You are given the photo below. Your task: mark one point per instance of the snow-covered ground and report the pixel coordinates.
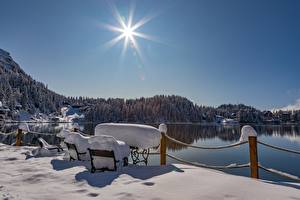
(54, 178)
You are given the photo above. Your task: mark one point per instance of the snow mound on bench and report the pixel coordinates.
(102, 142)
(109, 143)
(135, 135)
(81, 143)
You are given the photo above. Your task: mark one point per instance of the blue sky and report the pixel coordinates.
(211, 52)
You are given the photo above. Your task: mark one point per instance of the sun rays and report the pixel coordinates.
(127, 30)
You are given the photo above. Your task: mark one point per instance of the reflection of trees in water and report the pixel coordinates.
(192, 133)
(29, 138)
(284, 130)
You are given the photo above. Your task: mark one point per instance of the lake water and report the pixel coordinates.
(205, 135)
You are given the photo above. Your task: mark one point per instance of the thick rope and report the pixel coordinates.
(280, 173)
(231, 166)
(52, 134)
(11, 133)
(278, 148)
(33, 132)
(84, 134)
(201, 147)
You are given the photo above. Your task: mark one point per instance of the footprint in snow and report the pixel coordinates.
(148, 183)
(93, 194)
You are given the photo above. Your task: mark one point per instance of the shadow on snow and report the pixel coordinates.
(102, 179)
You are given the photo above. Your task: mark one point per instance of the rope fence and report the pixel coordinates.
(280, 173)
(278, 148)
(38, 133)
(202, 147)
(253, 164)
(7, 134)
(252, 141)
(230, 166)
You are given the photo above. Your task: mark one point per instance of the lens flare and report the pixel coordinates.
(127, 30)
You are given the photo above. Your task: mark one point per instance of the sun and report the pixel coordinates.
(127, 30)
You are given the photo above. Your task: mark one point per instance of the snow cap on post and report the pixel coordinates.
(24, 127)
(246, 132)
(76, 126)
(163, 128)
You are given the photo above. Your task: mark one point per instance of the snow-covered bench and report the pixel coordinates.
(140, 138)
(106, 153)
(103, 151)
(77, 145)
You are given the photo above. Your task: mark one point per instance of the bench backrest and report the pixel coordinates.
(73, 153)
(102, 160)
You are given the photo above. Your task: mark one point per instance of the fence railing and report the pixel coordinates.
(254, 164)
(253, 155)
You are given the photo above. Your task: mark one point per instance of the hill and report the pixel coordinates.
(19, 91)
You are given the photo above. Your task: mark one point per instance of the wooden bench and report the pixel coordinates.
(74, 148)
(105, 154)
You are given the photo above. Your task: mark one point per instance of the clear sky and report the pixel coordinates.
(211, 52)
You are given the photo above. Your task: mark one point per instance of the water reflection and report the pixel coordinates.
(188, 133)
(193, 133)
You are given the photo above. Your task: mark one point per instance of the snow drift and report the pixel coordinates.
(135, 135)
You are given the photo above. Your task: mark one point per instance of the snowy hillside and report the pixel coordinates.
(18, 91)
(6, 60)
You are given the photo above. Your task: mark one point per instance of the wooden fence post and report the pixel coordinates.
(163, 149)
(19, 137)
(253, 156)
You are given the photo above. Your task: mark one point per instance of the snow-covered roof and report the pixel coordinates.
(135, 135)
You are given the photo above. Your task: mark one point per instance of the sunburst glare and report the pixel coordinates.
(127, 30)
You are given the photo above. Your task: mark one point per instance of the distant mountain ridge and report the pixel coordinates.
(19, 91)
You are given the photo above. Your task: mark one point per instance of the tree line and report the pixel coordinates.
(19, 91)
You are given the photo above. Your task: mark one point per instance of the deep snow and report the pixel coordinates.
(54, 178)
(135, 135)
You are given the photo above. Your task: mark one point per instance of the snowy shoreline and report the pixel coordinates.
(55, 178)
